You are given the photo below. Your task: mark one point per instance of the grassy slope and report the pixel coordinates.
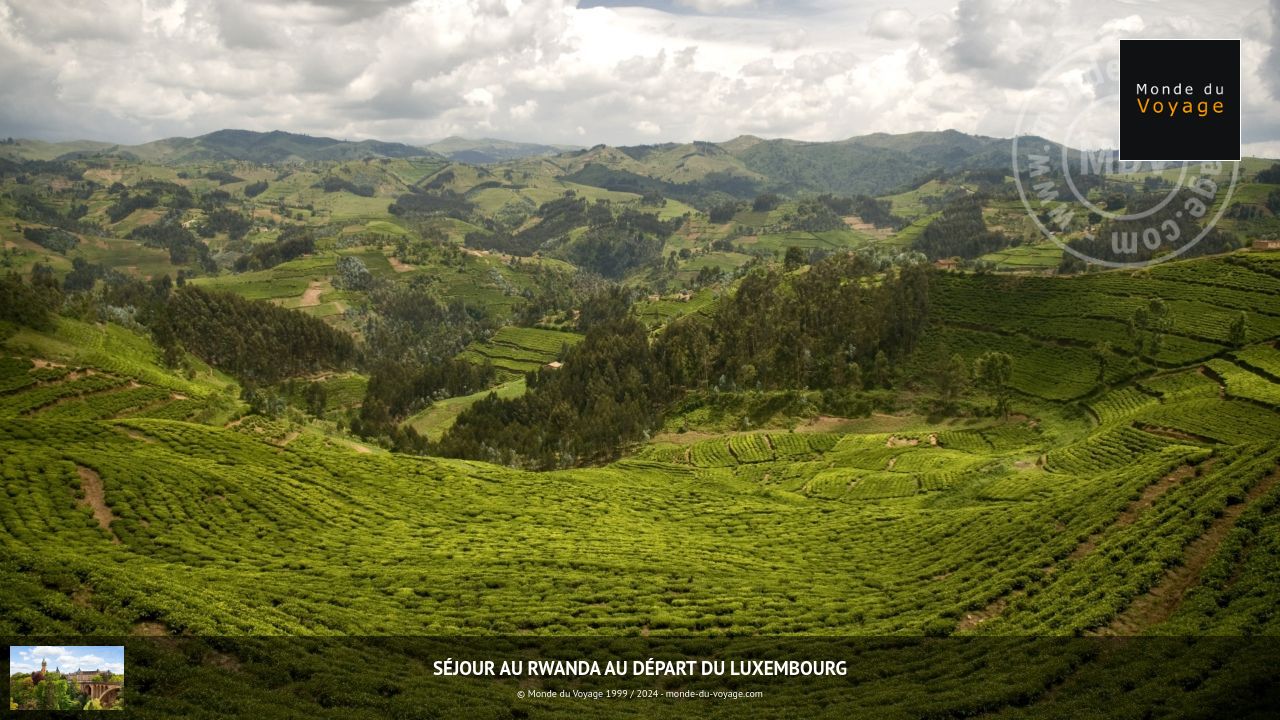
(832, 533)
(433, 421)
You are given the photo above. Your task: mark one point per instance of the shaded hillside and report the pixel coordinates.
(745, 166)
(485, 151)
(268, 147)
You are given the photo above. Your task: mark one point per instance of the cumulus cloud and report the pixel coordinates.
(66, 659)
(1006, 42)
(1127, 25)
(564, 72)
(715, 6)
(1272, 67)
(892, 23)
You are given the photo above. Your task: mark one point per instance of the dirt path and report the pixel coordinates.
(95, 498)
(993, 609)
(134, 433)
(1175, 434)
(399, 266)
(1126, 517)
(68, 399)
(150, 629)
(311, 297)
(1163, 600)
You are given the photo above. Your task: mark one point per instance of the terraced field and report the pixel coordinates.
(1144, 504)
(440, 416)
(830, 240)
(1056, 322)
(517, 350)
(656, 313)
(288, 280)
(452, 537)
(1042, 257)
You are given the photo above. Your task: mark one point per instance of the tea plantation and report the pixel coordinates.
(1135, 496)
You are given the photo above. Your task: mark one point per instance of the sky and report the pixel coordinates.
(580, 72)
(68, 658)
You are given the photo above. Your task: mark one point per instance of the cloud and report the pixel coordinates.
(68, 20)
(558, 71)
(891, 24)
(716, 6)
(1129, 25)
(646, 127)
(524, 110)
(789, 39)
(1272, 67)
(1006, 42)
(67, 659)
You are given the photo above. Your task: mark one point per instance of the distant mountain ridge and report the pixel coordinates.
(267, 147)
(246, 145)
(698, 171)
(486, 151)
(280, 146)
(747, 165)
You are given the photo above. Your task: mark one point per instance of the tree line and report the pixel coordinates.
(812, 330)
(1171, 227)
(960, 231)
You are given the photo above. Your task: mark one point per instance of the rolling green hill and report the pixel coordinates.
(258, 147)
(864, 165)
(980, 526)
(490, 150)
(1130, 489)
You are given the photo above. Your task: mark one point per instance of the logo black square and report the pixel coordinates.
(1180, 100)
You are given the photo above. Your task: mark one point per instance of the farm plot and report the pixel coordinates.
(1015, 486)
(1008, 437)
(970, 441)
(1219, 272)
(287, 280)
(1245, 384)
(1026, 257)
(927, 459)
(107, 404)
(797, 444)
(520, 349)
(1231, 422)
(879, 486)
(712, 453)
(659, 312)
(35, 398)
(1096, 308)
(1119, 404)
(1047, 371)
(752, 448)
(1262, 359)
(1181, 385)
(1110, 449)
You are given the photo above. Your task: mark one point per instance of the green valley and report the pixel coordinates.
(287, 386)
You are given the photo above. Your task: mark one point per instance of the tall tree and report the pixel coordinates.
(994, 370)
(1239, 330)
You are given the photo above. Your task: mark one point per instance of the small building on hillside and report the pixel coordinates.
(1266, 244)
(554, 365)
(946, 264)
